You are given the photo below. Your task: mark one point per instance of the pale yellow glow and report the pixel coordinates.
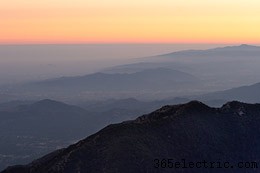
(112, 21)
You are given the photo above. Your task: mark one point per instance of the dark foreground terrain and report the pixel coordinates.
(192, 131)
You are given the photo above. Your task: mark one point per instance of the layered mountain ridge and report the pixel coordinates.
(192, 131)
(249, 93)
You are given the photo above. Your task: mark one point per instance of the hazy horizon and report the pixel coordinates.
(21, 63)
(181, 77)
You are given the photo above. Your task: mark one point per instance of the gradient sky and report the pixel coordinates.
(129, 21)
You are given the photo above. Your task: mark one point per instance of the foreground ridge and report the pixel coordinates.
(192, 131)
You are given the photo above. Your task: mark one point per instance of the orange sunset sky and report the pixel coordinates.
(129, 21)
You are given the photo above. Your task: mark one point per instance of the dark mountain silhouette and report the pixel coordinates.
(191, 131)
(44, 125)
(30, 130)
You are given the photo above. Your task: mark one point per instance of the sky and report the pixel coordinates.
(129, 21)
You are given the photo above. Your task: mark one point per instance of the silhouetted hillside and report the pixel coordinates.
(30, 130)
(191, 131)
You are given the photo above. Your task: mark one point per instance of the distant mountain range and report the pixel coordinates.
(151, 79)
(225, 54)
(29, 129)
(175, 74)
(219, 68)
(250, 94)
(228, 52)
(191, 131)
(99, 86)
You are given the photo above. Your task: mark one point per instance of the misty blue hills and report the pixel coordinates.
(150, 79)
(176, 74)
(243, 51)
(218, 69)
(205, 75)
(248, 94)
(58, 124)
(227, 52)
(103, 85)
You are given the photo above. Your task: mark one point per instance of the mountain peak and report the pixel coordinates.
(217, 50)
(44, 101)
(238, 108)
(197, 132)
(241, 47)
(245, 45)
(47, 102)
(233, 104)
(170, 111)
